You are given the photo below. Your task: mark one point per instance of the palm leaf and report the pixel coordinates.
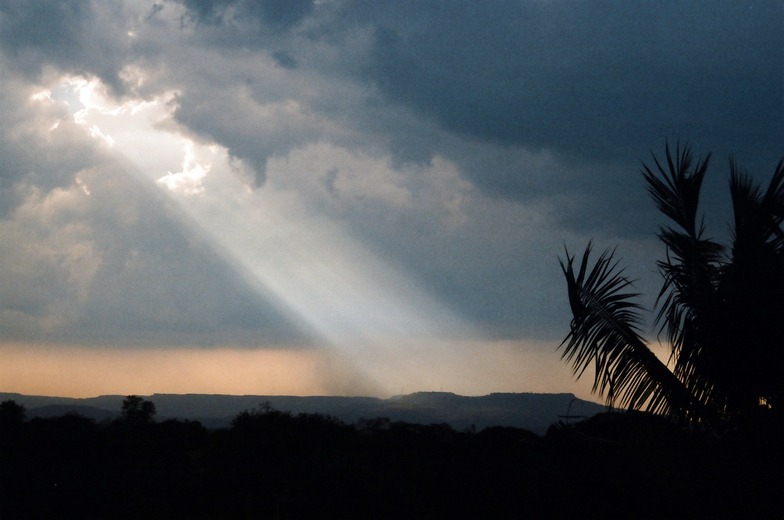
(723, 313)
(758, 216)
(690, 268)
(676, 189)
(605, 332)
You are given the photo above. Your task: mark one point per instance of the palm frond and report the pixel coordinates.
(605, 332)
(757, 216)
(676, 189)
(690, 269)
(749, 229)
(722, 311)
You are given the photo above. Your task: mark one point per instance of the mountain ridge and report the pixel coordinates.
(531, 411)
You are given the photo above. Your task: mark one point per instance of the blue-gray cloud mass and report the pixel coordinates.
(464, 142)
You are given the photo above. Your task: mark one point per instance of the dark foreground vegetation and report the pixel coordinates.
(271, 464)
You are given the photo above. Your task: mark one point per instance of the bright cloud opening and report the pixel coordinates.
(189, 180)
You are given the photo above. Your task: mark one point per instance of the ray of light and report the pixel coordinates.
(347, 298)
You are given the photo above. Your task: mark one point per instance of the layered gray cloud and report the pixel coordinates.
(595, 85)
(596, 82)
(588, 79)
(463, 142)
(276, 15)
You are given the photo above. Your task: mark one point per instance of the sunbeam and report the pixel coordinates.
(346, 298)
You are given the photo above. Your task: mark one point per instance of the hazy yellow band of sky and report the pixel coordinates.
(77, 371)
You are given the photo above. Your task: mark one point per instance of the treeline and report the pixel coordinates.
(272, 464)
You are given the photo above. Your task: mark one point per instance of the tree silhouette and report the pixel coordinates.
(720, 308)
(136, 410)
(11, 413)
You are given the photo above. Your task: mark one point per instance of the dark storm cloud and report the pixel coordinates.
(38, 29)
(275, 15)
(555, 101)
(284, 60)
(599, 84)
(591, 80)
(547, 104)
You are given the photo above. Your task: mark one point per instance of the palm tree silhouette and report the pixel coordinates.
(720, 308)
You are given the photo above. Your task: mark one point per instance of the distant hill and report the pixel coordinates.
(58, 410)
(534, 412)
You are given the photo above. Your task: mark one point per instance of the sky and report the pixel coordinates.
(335, 197)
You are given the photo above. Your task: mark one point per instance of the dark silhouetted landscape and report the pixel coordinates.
(270, 463)
(534, 412)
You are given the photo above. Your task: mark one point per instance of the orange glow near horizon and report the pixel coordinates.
(76, 371)
(86, 372)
